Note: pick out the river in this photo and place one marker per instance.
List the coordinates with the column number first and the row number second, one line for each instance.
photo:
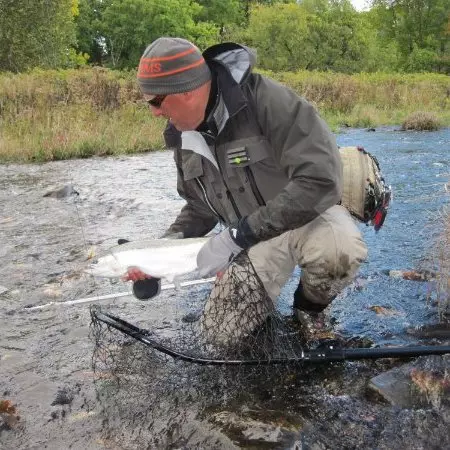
column 45, row 354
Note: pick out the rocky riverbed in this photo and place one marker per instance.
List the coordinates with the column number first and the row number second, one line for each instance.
column 51, row 398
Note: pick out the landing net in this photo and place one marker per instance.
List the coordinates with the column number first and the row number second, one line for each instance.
column 235, row 323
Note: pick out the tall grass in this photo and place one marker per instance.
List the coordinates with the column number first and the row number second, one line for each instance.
column 47, row 115
column 368, row 100
column 76, row 113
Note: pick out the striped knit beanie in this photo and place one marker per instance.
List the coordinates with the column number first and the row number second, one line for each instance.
column 170, row 66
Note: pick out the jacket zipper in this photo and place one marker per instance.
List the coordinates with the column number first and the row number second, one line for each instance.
column 211, row 207
column 233, row 203
column 230, row 196
column 255, row 190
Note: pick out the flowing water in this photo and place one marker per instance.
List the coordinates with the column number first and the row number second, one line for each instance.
column 45, row 354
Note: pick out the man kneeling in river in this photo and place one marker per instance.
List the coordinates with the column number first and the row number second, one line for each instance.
column 255, row 157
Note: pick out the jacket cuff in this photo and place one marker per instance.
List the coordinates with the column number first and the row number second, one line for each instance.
column 242, row 234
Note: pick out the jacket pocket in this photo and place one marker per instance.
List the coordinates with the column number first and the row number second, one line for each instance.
column 246, row 162
column 191, row 164
column 260, row 177
column 245, row 152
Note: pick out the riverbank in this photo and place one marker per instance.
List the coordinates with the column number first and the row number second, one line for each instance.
column 56, row 115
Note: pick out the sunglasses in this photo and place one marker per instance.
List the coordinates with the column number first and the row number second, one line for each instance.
column 156, row 101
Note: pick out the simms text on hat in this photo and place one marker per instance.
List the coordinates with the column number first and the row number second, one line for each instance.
column 171, row 66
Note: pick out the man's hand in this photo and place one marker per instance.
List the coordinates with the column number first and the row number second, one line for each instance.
column 217, row 253
column 135, row 274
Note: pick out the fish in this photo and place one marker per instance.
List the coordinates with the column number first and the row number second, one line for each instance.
column 158, row 258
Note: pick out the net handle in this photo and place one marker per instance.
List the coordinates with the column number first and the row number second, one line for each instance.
column 325, row 355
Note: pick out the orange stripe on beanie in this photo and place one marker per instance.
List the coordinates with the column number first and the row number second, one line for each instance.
column 171, row 66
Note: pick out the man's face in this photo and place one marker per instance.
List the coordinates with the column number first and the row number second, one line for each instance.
column 183, row 110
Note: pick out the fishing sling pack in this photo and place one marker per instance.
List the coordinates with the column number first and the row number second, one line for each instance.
column 365, row 193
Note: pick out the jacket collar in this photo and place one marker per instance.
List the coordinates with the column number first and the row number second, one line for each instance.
column 230, row 98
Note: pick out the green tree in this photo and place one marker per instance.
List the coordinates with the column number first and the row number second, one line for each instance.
column 247, row 5
column 36, row 33
column 419, row 28
column 337, row 35
column 128, row 26
column 316, row 34
column 88, row 25
column 279, row 33
column 223, row 13
column 382, row 53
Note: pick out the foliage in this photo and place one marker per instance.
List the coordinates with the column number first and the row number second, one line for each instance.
column 278, row 33
column 420, row 28
column 36, row 33
column 57, row 114
column 394, row 35
column 224, row 13
column 316, row 35
column 337, row 36
column 421, row 121
column 118, row 31
column 88, row 26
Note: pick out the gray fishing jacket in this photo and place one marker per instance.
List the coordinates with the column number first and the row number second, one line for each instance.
column 267, row 156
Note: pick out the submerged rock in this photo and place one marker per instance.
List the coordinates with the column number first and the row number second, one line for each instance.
column 250, row 431
column 424, row 382
column 413, row 275
column 64, row 396
column 3, row 289
column 63, row 192
column 8, row 415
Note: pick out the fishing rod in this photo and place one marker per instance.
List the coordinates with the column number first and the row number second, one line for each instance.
column 329, row 353
column 98, row 298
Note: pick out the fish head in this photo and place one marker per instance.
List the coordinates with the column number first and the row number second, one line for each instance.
column 107, row 266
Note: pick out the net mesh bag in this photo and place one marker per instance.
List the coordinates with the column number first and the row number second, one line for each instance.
column 203, row 360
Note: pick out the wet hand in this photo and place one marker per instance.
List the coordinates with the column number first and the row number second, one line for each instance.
column 144, row 286
column 135, row 274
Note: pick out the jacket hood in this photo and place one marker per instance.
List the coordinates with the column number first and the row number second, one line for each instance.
column 238, row 59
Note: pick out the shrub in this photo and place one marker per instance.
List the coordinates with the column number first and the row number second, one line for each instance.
column 421, row 121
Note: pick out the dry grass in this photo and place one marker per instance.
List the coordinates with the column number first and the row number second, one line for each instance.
column 79, row 132
column 343, row 93
column 47, row 115
column 421, row 121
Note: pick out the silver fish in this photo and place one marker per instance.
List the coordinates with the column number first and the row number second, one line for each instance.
column 160, row 258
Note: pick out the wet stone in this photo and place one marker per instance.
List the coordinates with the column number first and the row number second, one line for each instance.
column 63, row 192
column 4, row 426
column 63, row 397
column 191, row 317
column 422, row 383
column 8, row 415
column 248, row 431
